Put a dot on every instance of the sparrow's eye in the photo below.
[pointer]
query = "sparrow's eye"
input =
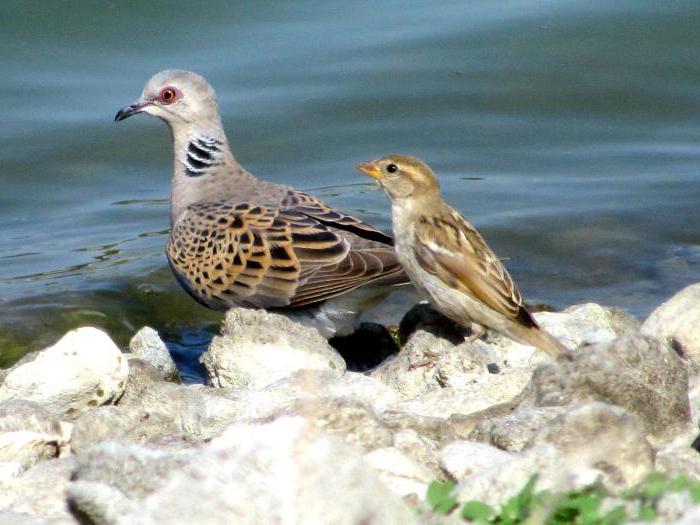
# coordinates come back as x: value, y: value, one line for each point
x: 391, y: 168
x: 167, y: 95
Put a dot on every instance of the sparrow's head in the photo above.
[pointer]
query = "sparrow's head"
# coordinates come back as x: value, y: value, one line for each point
x: 402, y: 176
x: 177, y: 97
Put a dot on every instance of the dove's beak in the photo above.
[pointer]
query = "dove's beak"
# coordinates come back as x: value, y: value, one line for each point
x: 136, y: 107
x: 371, y: 169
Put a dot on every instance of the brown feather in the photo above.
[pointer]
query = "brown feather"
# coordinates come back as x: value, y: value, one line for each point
x: 448, y: 247
x: 275, y: 256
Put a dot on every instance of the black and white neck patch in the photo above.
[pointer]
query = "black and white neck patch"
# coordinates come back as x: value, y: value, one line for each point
x: 201, y: 154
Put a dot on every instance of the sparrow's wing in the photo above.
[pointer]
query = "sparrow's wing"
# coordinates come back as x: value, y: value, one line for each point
x: 448, y: 247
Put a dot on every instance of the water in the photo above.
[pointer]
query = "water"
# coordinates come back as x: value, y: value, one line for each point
x: 567, y: 131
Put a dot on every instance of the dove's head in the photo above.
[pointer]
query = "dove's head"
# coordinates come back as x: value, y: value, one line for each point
x: 402, y: 176
x: 178, y: 97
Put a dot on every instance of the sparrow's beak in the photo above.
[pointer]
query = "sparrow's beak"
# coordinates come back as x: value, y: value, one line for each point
x: 371, y: 169
x: 136, y: 107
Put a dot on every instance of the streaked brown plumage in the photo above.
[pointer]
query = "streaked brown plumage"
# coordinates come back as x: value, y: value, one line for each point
x: 240, y: 241
x: 276, y: 256
x: 447, y: 258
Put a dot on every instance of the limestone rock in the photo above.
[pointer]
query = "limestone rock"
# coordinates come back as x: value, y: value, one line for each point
x: 582, y: 324
x: 7, y: 517
x: 588, y: 443
x: 400, y: 473
x: 280, y: 472
x: 678, y: 457
x: 130, y: 424
x: 513, y: 430
x: 257, y: 348
x: 147, y: 345
x: 599, y: 436
x: 482, y: 392
x: 29, y: 434
x: 637, y: 373
x: 83, y: 370
x: 463, y: 458
x: 193, y: 409
x: 677, y: 321
x: 143, y: 376
x: 352, y: 421
x: 133, y: 469
x: 40, y: 492
x: 421, y: 449
x: 494, y: 485
x: 413, y: 371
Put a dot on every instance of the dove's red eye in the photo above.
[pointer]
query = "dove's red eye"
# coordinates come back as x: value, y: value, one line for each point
x: 168, y: 95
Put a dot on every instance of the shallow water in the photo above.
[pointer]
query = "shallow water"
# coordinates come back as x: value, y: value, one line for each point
x: 567, y: 131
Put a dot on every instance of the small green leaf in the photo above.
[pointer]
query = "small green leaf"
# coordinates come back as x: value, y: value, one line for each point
x: 477, y: 511
x: 694, y: 491
x: 679, y: 483
x: 517, y: 508
x: 655, y: 485
x: 616, y: 516
x: 647, y: 513
x: 439, y: 497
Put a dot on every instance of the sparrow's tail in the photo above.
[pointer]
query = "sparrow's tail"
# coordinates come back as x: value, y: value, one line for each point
x: 540, y: 338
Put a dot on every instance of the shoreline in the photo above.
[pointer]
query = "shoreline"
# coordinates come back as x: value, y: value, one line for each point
x: 281, y: 428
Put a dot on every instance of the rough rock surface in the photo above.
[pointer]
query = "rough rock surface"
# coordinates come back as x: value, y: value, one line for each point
x: 284, y: 471
x: 400, y: 473
x: 257, y: 348
x: 599, y: 436
x: 581, y: 324
x: 677, y: 321
x: 286, y: 434
x: 29, y: 434
x: 83, y: 370
x: 147, y: 345
x: 640, y: 374
x: 39, y: 492
x: 460, y: 459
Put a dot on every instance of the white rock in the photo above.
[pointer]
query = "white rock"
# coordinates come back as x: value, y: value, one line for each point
x: 413, y: 371
x: 593, y: 442
x: 463, y: 458
x: 281, y: 472
x: 587, y: 323
x: 678, y: 321
x: 29, y: 434
x: 258, y: 348
x: 690, y: 517
x: 148, y: 345
x: 83, y: 370
x: 420, y: 449
x: 694, y: 398
x: 636, y: 372
x: 672, y: 506
x: 596, y: 435
x: 484, y: 391
x: 39, y: 492
x: 677, y: 457
x: 495, y: 484
x: 399, y: 472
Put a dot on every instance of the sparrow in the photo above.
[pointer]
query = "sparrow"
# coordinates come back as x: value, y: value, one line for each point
x: 447, y: 259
